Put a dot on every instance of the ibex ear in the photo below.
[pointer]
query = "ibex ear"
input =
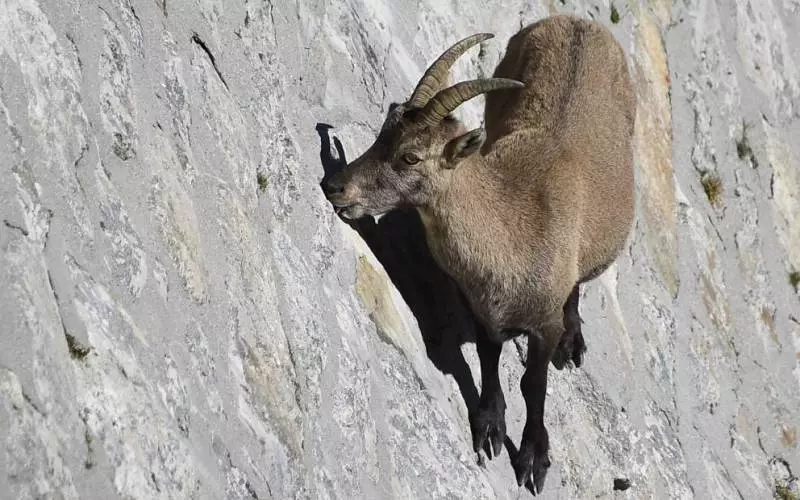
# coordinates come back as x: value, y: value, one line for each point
x: 392, y: 106
x: 463, y: 146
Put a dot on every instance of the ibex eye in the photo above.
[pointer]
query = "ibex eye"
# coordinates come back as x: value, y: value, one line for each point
x: 411, y: 158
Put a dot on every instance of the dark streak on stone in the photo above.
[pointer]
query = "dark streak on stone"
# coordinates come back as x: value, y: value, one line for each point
x: 269, y: 488
x: 772, y: 187
x: 84, y: 150
x: 719, y: 235
x: 135, y: 15
x: 47, y: 232
x: 760, y: 443
x: 297, y: 390
x: 272, y: 20
x: 88, y: 463
x: 785, y: 463
x: 11, y: 225
x: 71, y: 39
x: 32, y: 404
x: 199, y: 41
x: 251, y: 491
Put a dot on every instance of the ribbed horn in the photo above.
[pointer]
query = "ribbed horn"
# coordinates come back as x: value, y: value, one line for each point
x: 450, y: 98
x: 436, y: 75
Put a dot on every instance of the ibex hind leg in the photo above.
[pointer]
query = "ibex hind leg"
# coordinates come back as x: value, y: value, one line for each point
x: 572, y: 346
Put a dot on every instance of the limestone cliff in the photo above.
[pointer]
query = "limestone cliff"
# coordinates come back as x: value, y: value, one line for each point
x: 183, y: 315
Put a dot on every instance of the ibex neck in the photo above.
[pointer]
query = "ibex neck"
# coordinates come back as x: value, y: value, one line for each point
x: 473, y: 192
x: 467, y: 217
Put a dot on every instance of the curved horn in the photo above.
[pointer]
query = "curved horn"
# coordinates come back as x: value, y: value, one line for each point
x: 436, y: 75
x: 450, y: 98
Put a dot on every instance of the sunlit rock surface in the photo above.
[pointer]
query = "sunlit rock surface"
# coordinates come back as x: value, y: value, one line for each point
x: 183, y: 316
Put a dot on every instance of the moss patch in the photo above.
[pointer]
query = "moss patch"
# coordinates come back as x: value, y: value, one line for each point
x: 794, y: 279
x: 262, y: 180
x: 614, y: 14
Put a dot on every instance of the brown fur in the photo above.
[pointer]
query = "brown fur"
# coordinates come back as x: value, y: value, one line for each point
x: 545, y: 203
x: 551, y: 198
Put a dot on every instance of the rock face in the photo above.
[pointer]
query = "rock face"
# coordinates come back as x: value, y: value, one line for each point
x: 183, y: 316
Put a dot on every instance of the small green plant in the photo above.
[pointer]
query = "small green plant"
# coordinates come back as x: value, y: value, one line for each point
x: 784, y: 492
x: 794, y: 279
x: 262, y: 180
x: 614, y: 14
x: 712, y: 185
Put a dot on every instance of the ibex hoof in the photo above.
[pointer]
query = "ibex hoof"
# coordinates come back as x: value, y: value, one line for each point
x: 570, y: 351
x: 489, y: 429
x: 578, y: 349
x: 531, y: 466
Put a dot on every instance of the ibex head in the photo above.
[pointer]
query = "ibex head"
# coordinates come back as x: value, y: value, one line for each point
x: 418, y: 146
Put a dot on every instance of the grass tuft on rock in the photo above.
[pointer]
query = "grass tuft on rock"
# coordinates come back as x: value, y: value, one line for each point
x: 712, y: 185
x: 784, y: 492
x: 76, y: 349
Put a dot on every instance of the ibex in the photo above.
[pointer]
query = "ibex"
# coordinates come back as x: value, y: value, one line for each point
x: 521, y: 213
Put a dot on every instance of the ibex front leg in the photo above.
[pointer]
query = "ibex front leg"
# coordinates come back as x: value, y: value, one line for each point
x: 532, y: 460
x: 489, y: 422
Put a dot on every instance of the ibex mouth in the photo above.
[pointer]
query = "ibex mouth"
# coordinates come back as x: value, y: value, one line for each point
x: 351, y: 211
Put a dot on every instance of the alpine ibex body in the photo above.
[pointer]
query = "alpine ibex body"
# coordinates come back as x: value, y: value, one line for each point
x: 521, y: 213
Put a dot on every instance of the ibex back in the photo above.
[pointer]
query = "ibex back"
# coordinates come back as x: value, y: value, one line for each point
x: 521, y: 213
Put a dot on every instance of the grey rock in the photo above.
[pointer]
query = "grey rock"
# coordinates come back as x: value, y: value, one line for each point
x: 183, y: 316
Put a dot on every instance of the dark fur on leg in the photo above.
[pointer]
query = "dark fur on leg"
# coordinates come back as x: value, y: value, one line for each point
x: 532, y: 461
x: 488, y: 422
x: 572, y: 345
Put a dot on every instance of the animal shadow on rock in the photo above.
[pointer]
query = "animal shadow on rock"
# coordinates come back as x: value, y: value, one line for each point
x: 444, y: 318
